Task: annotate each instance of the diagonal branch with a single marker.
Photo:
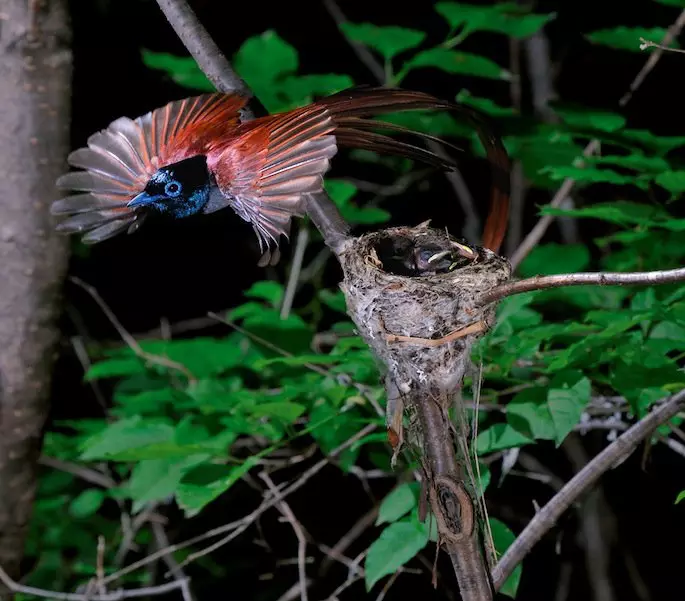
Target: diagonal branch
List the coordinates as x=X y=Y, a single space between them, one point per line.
x=545 y=519
x=646 y=278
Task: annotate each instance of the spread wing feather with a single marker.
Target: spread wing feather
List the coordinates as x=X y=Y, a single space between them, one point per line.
x=117 y=162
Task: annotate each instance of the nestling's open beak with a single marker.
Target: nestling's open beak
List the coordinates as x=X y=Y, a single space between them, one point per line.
x=141 y=200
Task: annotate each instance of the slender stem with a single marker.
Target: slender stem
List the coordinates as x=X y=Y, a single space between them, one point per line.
x=545 y=519
x=646 y=278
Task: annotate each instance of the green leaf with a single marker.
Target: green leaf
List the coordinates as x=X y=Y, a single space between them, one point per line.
x=582 y=117
x=594 y=176
x=567 y=398
x=157 y=479
x=529 y=412
x=503 y=538
x=340 y=190
x=673 y=181
x=268 y=290
x=552 y=258
x=397 y=544
x=500 y=437
x=397 y=503
x=658 y=144
x=456 y=62
x=678 y=3
x=182 y=70
x=636 y=160
x=125 y=435
x=284 y=411
x=620 y=212
x=506 y=17
x=628 y=38
x=114 y=368
x=680 y=497
x=302 y=89
x=484 y=104
x=204 y=483
x=388 y=41
x=87 y=503
x=262 y=61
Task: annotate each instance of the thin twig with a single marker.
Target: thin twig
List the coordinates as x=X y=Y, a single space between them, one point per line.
x=295 y=269
x=131 y=342
x=581 y=482
x=148 y=591
x=284 y=508
x=536 y=234
x=602 y=278
x=85 y=473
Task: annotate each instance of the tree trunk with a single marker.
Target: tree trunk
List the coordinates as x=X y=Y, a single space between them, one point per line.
x=35 y=83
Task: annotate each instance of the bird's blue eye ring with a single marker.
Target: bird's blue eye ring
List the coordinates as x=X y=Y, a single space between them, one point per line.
x=173 y=188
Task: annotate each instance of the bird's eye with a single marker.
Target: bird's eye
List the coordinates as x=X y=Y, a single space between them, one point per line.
x=173 y=188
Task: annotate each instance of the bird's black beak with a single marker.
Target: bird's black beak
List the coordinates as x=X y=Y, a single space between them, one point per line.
x=141 y=200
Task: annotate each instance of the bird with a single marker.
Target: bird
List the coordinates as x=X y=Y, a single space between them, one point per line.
x=198 y=155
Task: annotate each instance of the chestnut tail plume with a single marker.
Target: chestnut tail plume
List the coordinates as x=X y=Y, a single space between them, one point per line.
x=349 y=107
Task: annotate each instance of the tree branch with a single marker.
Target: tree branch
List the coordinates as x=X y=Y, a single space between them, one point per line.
x=638 y=278
x=202 y=47
x=545 y=519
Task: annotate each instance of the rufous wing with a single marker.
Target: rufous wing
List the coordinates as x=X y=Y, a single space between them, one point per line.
x=266 y=172
x=118 y=161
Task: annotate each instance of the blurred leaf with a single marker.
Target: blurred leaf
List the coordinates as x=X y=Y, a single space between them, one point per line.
x=125 y=435
x=114 y=368
x=204 y=483
x=628 y=38
x=504 y=17
x=87 y=503
x=503 y=537
x=154 y=480
x=680 y=497
x=582 y=117
x=268 y=290
x=569 y=394
x=529 y=412
x=397 y=503
x=183 y=70
x=620 y=212
x=595 y=176
x=673 y=181
x=636 y=160
x=658 y=144
x=456 y=62
x=284 y=411
x=553 y=258
x=484 y=104
x=388 y=41
x=500 y=437
x=397 y=544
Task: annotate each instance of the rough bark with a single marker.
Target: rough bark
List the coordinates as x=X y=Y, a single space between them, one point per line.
x=35 y=80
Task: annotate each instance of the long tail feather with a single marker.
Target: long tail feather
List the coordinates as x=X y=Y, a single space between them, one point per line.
x=349 y=106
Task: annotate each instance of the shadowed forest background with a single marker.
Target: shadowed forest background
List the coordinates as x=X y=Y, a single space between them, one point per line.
x=164 y=279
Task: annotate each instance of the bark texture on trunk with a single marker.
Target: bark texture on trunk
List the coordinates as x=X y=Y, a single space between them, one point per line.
x=35 y=107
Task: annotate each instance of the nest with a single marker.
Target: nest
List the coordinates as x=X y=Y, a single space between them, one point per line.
x=413 y=294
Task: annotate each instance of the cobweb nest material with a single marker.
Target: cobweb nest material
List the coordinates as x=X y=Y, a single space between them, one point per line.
x=413 y=294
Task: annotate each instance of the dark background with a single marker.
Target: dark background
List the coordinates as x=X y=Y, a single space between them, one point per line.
x=182 y=271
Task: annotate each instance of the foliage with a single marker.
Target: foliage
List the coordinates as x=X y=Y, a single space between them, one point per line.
x=170 y=439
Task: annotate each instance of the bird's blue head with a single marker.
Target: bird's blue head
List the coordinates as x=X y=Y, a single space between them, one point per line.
x=180 y=190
